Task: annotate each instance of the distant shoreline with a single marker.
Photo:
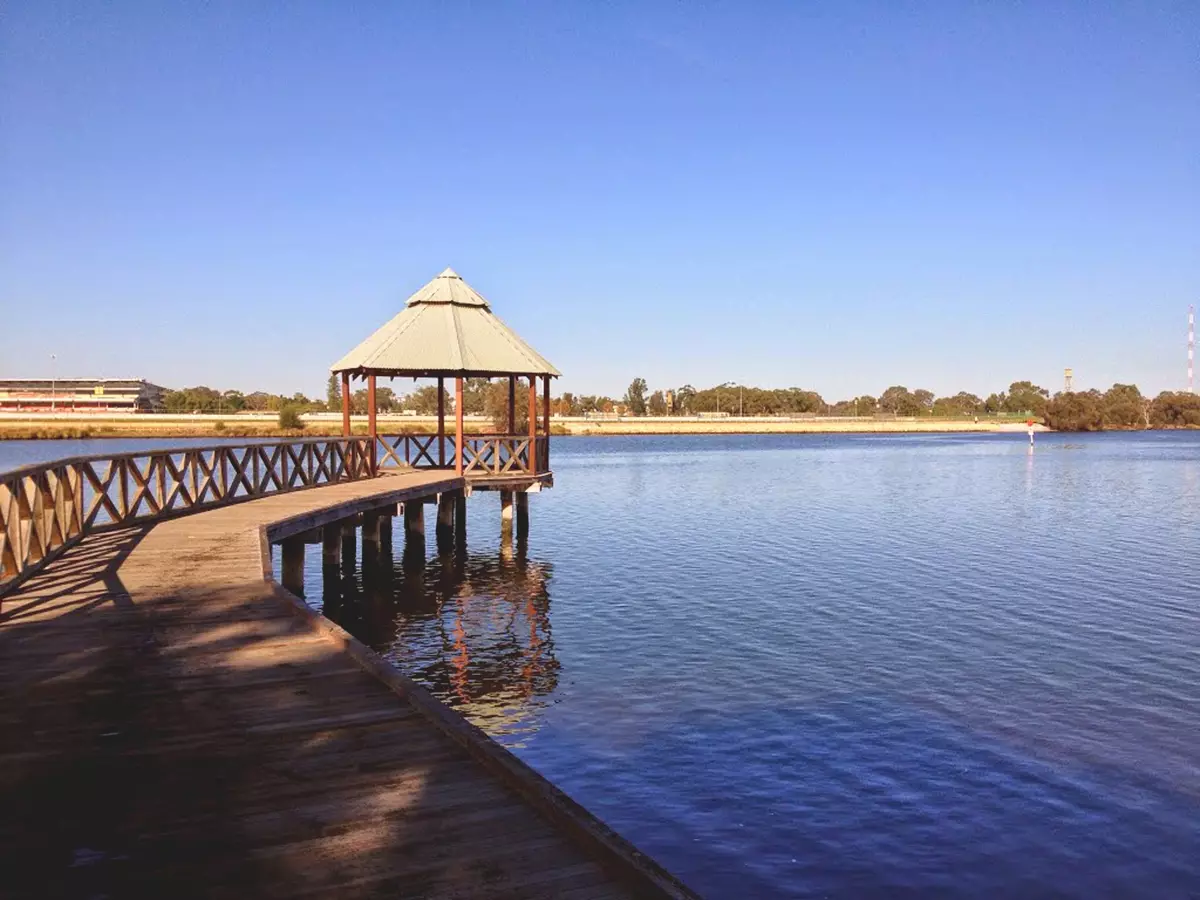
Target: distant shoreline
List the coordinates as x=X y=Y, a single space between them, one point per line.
x=84 y=426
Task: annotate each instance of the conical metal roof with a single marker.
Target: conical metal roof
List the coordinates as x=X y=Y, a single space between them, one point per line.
x=445 y=328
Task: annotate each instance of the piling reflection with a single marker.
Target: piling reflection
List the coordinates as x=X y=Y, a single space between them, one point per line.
x=473 y=628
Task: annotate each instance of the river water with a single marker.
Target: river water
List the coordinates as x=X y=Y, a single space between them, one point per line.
x=836 y=665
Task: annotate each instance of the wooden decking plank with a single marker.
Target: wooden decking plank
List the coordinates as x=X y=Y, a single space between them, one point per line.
x=201 y=736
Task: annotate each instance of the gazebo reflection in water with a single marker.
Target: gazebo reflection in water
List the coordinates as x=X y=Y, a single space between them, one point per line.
x=472 y=627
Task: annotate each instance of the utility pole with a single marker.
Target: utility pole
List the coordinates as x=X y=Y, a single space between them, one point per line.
x=53 y=382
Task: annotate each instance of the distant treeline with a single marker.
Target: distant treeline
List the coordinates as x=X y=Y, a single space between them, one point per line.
x=1121 y=406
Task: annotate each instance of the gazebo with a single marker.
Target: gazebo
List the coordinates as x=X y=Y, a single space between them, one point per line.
x=448 y=330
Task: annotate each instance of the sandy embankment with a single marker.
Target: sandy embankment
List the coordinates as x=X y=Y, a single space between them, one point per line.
x=82 y=425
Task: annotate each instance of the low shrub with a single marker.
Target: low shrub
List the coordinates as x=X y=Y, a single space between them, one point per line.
x=289 y=419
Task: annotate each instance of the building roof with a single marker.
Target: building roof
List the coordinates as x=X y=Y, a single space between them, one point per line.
x=445 y=328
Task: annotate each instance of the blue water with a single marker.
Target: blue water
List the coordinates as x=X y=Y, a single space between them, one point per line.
x=838 y=666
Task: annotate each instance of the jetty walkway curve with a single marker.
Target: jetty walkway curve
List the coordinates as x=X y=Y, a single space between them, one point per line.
x=176 y=723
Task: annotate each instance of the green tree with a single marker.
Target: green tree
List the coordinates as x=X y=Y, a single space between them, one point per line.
x=261 y=401
x=961 y=404
x=496 y=406
x=657 y=404
x=1125 y=407
x=901 y=402
x=424 y=400
x=995 y=403
x=894 y=398
x=1172 y=409
x=635 y=397
x=333 y=392
x=385 y=399
x=475 y=392
x=234 y=401
x=568 y=405
x=1071 y=411
x=1026 y=398
x=199 y=399
x=685 y=400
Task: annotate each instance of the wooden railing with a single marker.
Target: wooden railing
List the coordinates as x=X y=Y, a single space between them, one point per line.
x=44 y=509
x=497 y=454
x=483 y=454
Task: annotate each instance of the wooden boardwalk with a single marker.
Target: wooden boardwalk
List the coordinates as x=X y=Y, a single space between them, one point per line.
x=173 y=723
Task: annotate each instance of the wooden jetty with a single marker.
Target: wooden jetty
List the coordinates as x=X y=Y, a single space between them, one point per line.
x=177 y=722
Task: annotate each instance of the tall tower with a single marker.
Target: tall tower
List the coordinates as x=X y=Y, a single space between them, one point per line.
x=1068 y=380
x=1191 y=348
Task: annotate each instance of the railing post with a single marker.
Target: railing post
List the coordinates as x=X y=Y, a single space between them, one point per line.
x=220 y=459
x=77 y=500
x=123 y=474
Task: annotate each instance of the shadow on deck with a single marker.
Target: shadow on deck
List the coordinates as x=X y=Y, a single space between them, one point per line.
x=162 y=736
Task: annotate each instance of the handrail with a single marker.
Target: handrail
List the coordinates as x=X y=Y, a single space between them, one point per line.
x=491 y=454
x=47 y=507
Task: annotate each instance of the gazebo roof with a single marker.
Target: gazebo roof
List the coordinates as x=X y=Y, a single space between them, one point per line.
x=445 y=328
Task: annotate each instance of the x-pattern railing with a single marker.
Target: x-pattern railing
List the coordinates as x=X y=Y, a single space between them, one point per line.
x=484 y=454
x=496 y=454
x=46 y=508
x=410 y=450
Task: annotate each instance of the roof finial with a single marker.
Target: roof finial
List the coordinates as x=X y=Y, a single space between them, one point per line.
x=450 y=273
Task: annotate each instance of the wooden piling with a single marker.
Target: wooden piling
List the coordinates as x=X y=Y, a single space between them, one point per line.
x=414 y=520
x=385 y=531
x=370 y=528
x=506 y=518
x=331 y=545
x=293 y=565
x=460 y=518
x=522 y=515
x=349 y=545
x=445 y=517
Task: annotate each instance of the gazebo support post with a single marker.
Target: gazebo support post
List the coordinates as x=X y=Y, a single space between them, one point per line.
x=546 y=419
x=512 y=405
x=441 y=422
x=372 y=424
x=346 y=404
x=533 y=467
x=458 y=425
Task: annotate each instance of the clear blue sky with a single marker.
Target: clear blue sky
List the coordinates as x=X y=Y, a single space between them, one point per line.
x=838 y=196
